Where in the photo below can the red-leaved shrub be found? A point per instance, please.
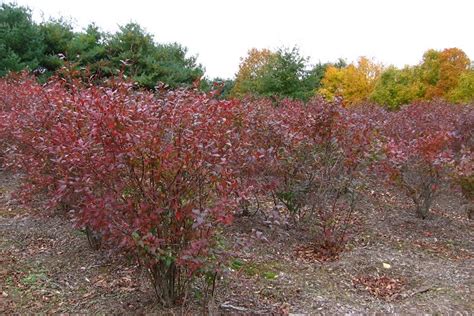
(420, 142)
(314, 159)
(154, 175)
(158, 175)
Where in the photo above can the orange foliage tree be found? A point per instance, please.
(442, 71)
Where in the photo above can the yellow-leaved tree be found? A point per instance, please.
(353, 83)
(464, 91)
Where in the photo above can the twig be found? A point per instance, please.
(237, 308)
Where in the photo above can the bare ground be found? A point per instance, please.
(396, 263)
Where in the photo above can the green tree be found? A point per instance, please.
(173, 67)
(57, 36)
(396, 87)
(464, 91)
(147, 63)
(316, 75)
(430, 66)
(132, 47)
(87, 50)
(281, 74)
(21, 42)
(287, 76)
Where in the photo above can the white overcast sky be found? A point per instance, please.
(221, 31)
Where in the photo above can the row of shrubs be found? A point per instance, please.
(158, 175)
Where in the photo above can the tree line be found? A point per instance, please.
(446, 74)
(46, 47)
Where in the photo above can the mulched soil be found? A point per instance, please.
(394, 263)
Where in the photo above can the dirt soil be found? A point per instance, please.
(395, 263)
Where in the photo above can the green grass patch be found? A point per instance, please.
(268, 271)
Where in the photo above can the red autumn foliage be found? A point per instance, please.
(464, 148)
(420, 149)
(314, 156)
(382, 287)
(158, 175)
(154, 175)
